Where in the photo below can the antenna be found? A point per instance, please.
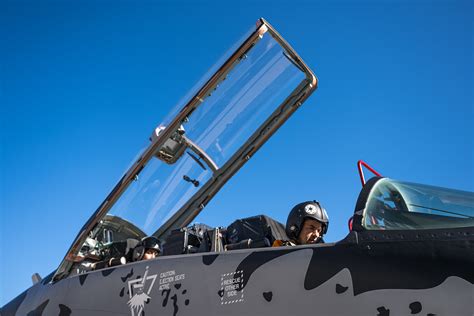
(361, 163)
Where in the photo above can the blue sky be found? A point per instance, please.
(83, 85)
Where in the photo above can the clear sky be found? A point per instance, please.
(83, 85)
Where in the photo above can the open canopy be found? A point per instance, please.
(198, 148)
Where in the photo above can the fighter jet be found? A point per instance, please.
(410, 249)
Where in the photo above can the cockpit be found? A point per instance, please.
(114, 243)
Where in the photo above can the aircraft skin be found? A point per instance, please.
(378, 272)
(367, 273)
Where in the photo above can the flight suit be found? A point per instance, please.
(282, 243)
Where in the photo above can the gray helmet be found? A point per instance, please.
(302, 211)
(150, 242)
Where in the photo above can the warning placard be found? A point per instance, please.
(232, 287)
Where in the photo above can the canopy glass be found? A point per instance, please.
(201, 145)
(396, 205)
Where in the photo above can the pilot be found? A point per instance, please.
(148, 248)
(306, 224)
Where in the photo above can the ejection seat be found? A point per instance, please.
(251, 232)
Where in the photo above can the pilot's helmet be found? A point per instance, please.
(151, 242)
(302, 211)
